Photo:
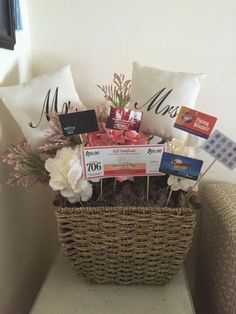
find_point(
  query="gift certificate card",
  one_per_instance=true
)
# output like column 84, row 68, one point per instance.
column 122, row 160
column 195, row 122
column 181, row 166
column 124, row 119
column 221, row 148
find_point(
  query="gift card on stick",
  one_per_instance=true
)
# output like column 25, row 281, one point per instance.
column 124, row 119
column 79, row 122
column 222, row 148
column 181, row 166
column 122, row 160
column 195, row 122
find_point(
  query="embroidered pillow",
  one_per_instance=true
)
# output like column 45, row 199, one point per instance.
column 159, row 95
column 30, row 103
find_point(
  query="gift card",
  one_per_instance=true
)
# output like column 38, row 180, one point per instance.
column 79, row 122
column 195, row 122
column 124, row 119
column 222, row 148
column 181, row 166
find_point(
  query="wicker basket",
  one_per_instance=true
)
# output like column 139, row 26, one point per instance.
column 126, row 244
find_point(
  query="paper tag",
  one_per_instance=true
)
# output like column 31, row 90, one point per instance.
column 124, row 119
column 79, row 122
column 195, row 122
column 222, row 148
column 181, row 166
column 122, row 160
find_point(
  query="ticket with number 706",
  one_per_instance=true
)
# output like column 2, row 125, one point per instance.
column 122, row 160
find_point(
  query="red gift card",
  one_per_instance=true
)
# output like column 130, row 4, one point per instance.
column 195, row 122
column 124, row 119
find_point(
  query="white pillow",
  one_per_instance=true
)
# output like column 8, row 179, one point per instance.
column 159, row 95
column 27, row 102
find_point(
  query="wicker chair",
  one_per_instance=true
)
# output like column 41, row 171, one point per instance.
column 215, row 288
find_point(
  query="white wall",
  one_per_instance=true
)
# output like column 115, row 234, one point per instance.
column 27, row 223
column 100, row 37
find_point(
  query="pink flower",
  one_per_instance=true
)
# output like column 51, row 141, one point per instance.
column 117, row 137
column 99, row 138
column 105, row 137
column 123, row 178
column 134, row 138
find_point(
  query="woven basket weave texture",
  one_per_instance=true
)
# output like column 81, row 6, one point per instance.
column 126, row 244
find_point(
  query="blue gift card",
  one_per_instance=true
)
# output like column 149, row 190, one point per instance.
column 181, row 166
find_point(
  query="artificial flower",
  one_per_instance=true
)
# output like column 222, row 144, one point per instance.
column 100, row 138
column 153, row 139
column 183, row 184
column 124, row 178
column 119, row 92
column 66, row 175
column 84, row 192
column 107, row 137
column 117, row 137
column 28, row 166
column 189, row 148
column 134, row 138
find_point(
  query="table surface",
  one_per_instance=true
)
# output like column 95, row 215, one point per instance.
column 63, row 292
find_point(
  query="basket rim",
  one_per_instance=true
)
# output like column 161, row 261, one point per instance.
column 126, row 209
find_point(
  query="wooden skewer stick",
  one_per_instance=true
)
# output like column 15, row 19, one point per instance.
column 168, row 145
column 81, row 138
column 168, row 199
column 101, row 188
column 185, row 142
column 167, row 189
column 114, row 185
column 148, row 185
column 198, row 180
column 171, row 191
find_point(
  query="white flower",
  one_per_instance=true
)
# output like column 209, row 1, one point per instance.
column 66, row 175
column 84, row 192
column 189, row 149
column 155, row 139
column 183, row 184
